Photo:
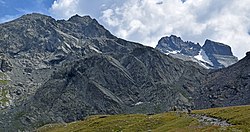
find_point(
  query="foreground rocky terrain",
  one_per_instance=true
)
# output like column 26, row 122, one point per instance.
column 64, row 70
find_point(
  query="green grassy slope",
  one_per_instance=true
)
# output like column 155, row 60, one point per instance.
column 171, row 121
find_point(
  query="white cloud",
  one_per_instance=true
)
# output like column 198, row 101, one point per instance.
column 146, row 21
column 109, row 19
column 64, row 8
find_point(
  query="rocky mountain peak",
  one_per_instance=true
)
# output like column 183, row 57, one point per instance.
column 174, row 38
column 35, row 17
column 212, row 47
column 85, row 26
column 219, row 54
column 45, row 34
column 176, row 44
column 83, row 20
column 210, row 55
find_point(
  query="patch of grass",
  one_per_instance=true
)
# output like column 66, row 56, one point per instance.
column 4, row 100
column 4, row 82
column 2, row 74
column 130, row 123
column 170, row 122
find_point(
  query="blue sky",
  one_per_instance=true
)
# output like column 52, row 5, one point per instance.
column 10, row 9
column 146, row 21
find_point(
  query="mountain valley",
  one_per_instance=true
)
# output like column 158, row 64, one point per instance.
column 57, row 71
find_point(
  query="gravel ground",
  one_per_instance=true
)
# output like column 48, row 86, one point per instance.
column 210, row 120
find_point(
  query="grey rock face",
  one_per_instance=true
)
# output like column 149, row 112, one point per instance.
column 219, row 54
column 35, row 45
column 174, row 43
column 212, row 47
column 212, row 54
column 111, row 84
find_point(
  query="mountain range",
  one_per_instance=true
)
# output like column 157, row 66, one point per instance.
column 65, row 70
column 212, row 55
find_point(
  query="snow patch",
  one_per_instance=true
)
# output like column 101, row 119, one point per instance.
column 173, row 52
column 68, row 46
column 202, row 56
column 138, row 103
column 64, row 49
column 204, row 65
column 96, row 50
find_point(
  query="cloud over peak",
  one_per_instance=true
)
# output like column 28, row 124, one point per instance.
column 64, row 8
column 146, row 21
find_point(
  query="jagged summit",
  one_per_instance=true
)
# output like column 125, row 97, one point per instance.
column 78, row 16
column 211, row 55
column 43, row 33
column 176, row 44
column 212, row 47
column 81, row 19
column 35, row 16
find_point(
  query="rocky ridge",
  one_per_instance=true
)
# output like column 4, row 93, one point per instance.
column 211, row 55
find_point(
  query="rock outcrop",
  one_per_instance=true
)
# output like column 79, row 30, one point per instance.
column 219, row 54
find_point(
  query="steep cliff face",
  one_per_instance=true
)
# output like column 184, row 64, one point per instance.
column 212, row 55
column 219, row 54
column 212, row 47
